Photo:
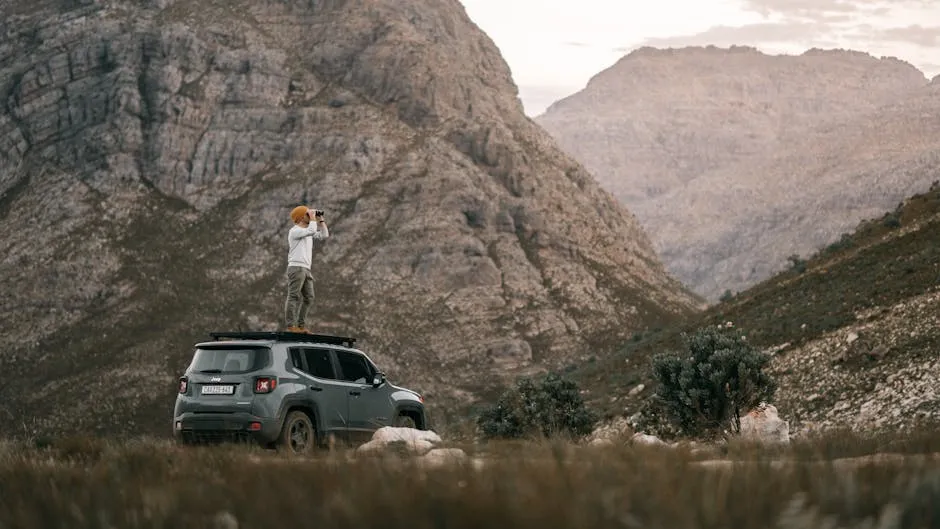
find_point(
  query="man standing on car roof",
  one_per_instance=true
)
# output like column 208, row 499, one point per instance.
column 299, row 256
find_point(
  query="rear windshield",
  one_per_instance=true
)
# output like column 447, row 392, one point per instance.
column 234, row 360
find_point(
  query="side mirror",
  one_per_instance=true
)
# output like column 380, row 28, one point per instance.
column 378, row 379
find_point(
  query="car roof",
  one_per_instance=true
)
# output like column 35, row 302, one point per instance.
column 217, row 344
column 270, row 338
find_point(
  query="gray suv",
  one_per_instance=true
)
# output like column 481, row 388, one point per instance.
column 294, row 391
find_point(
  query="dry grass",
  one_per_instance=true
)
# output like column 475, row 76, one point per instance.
column 87, row 483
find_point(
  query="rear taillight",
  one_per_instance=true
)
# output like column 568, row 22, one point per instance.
column 265, row 384
column 184, row 384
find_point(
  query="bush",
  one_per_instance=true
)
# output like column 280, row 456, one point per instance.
column 797, row 263
column 548, row 407
column 891, row 221
column 718, row 378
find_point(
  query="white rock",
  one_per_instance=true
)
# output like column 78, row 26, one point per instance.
column 765, row 425
column 851, row 337
column 637, row 390
column 415, row 441
column 225, row 520
column 644, row 439
column 417, row 446
column 390, row 434
column 442, row 456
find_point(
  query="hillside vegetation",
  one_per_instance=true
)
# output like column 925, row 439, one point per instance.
column 854, row 328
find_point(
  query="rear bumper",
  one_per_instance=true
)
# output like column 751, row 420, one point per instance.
column 224, row 427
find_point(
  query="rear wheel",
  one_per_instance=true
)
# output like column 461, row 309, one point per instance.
column 405, row 421
column 298, row 435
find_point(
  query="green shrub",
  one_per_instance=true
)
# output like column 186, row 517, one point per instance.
column 548, row 407
column 797, row 263
column 708, row 387
column 891, row 220
column 844, row 242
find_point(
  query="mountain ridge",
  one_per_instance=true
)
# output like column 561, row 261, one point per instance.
column 695, row 125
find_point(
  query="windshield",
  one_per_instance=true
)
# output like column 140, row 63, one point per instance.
column 231, row 360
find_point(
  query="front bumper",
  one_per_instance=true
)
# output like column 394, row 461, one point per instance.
column 224, row 427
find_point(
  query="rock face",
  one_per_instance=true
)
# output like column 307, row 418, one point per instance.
column 734, row 160
column 150, row 153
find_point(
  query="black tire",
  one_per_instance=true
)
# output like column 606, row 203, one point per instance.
column 405, row 421
column 298, row 435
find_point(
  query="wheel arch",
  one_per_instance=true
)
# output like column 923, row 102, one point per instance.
column 415, row 412
column 312, row 410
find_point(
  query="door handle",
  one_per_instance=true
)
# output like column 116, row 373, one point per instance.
column 355, row 393
column 316, row 388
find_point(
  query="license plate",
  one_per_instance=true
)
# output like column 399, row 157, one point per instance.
column 218, row 390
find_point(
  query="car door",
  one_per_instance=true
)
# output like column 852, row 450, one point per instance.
column 324, row 388
column 369, row 408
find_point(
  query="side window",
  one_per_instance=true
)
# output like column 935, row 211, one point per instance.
column 354, row 367
column 319, row 363
column 295, row 358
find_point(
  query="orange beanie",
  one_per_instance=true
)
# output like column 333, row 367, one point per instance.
column 297, row 214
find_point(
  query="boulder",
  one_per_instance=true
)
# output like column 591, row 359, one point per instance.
column 644, row 439
column 410, row 440
column 763, row 424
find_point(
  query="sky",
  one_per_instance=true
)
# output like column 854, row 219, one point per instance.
column 554, row 47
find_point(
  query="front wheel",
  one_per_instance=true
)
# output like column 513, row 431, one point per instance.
column 298, row 436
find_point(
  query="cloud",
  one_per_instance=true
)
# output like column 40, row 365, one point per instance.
column 801, row 8
column 724, row 36
column 927, row 37
column 911, row 29
column 575, row 44
column 832, row 10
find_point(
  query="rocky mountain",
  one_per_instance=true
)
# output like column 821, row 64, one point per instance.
column 734, row 160
column 150, row 152
column 854, row 331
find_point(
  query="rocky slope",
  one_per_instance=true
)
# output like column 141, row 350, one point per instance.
column 854, row 331
column 734, row 160
column 150, row 153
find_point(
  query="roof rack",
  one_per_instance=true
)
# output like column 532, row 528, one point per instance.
column 284, row 336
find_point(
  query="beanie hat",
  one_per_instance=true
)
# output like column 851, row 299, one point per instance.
column 297, row 214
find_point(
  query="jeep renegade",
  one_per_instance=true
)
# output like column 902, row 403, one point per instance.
column 294, row 391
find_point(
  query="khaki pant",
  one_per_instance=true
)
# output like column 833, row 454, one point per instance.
column 299, row 296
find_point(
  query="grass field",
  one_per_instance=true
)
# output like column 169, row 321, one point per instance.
column 819, row 483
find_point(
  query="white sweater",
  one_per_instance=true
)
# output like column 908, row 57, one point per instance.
column 300, row 244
